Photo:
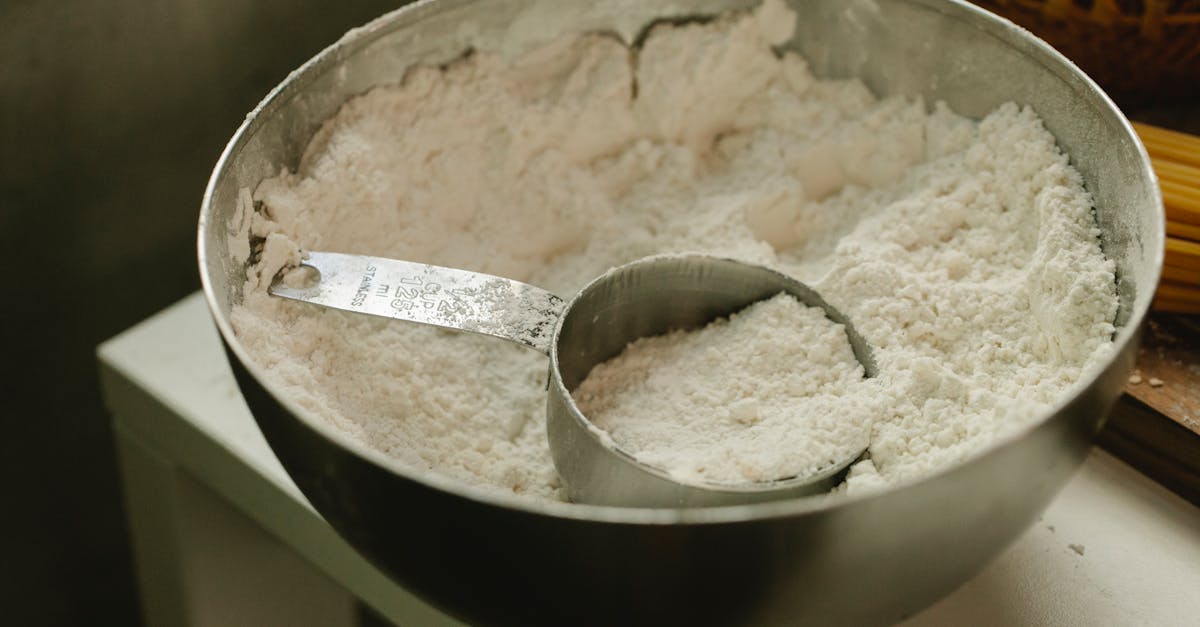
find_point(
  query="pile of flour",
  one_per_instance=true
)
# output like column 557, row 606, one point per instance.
column 772, row 392
column 965, row 252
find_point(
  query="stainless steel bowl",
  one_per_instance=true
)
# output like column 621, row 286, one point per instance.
column 497, row 559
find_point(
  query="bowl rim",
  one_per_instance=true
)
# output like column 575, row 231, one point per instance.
column 359, row 38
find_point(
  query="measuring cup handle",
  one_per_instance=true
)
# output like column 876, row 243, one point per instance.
column 417, row 292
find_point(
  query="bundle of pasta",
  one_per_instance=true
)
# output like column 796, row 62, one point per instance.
column 1176, row 160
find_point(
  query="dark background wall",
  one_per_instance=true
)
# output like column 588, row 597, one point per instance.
column 111, row 117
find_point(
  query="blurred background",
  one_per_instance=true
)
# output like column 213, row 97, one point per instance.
column 111, row 116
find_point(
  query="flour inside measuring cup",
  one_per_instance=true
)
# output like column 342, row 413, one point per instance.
column 772, row 392
column 965, row 251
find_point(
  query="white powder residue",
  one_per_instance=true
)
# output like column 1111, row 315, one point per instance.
column 965, row 252
column 772, row 392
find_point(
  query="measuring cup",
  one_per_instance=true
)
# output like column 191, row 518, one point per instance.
column 648, row 297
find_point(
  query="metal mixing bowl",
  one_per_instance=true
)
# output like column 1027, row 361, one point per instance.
column 494, row 558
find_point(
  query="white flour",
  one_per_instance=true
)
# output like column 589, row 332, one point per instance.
column 771, row 393
column 965, row 252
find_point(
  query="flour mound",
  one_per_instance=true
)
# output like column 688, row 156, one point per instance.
column 770, row 393
column 964, row 251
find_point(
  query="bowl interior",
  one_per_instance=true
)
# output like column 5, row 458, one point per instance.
column 939, row 50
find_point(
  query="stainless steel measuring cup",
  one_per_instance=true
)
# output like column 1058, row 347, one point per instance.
column 648, row 297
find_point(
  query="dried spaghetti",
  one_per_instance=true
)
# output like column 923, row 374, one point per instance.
column 1176, row 160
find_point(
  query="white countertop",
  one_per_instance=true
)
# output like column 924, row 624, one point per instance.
column 1114, row 548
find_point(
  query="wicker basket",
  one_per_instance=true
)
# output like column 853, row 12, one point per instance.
column 1138, row 50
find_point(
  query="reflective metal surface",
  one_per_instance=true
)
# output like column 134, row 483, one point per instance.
column 642, row 299
column 450, row 298
column 491, row 558
column 648, row 297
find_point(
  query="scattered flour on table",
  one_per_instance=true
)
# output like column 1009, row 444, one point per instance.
column 965, row 252
column 772, row 392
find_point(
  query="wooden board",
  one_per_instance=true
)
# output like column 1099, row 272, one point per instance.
column 1156, row 426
